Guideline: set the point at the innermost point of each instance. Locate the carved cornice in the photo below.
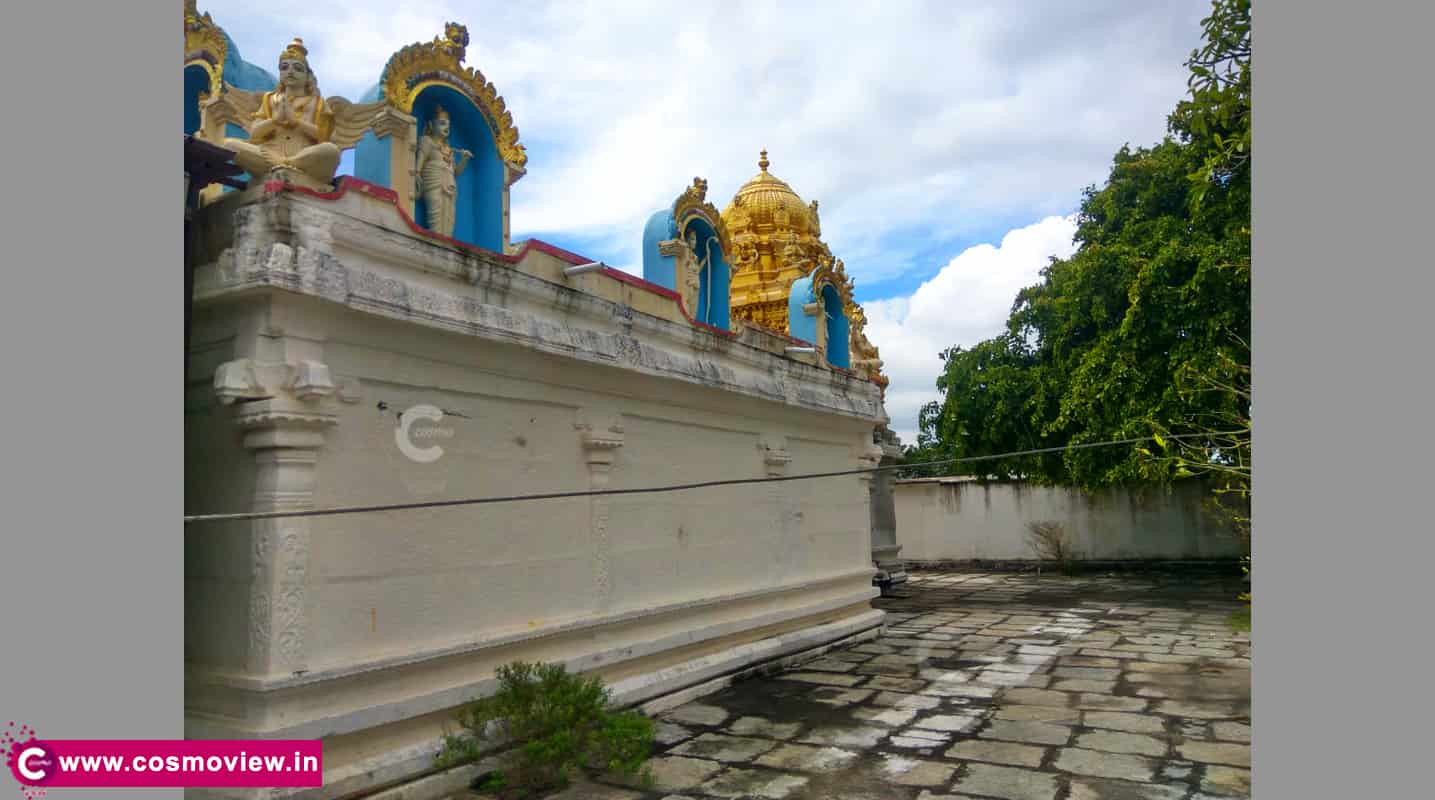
(440, 62)
(378, 270)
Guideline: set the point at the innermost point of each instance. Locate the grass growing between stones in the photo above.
(1240, 620)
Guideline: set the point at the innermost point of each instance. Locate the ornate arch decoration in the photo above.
(204, 45)
(440, 63)
(831, 272)
(692, 204)
(693, 214)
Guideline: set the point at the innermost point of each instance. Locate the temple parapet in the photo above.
(357, 248)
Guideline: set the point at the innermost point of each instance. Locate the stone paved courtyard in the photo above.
(988, 686)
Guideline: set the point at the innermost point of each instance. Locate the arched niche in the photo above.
(479, 217)
(196, 83)
(818, 315)
(714, 279)
(838, 328)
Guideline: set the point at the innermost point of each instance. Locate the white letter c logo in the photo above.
(423, 455)
(23, 763)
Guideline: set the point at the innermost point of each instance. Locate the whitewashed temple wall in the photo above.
(324, 319)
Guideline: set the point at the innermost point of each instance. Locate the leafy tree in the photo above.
(1143, 329)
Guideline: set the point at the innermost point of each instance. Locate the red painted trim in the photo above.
(663, 291)
(388, 195)
(641, 283)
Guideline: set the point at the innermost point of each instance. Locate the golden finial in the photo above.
(762, 161)
(296, 51)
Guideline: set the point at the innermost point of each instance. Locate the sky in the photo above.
(947, 142)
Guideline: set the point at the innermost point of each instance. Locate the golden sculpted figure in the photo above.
(294, 132)
(437, 174)
(865, 358)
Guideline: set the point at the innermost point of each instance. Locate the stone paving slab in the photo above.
(990, 687)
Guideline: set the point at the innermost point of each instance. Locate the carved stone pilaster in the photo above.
(885, 550)
(283, 415)
(686, 278)
(511, 174)
(784, 544)
(600, 450)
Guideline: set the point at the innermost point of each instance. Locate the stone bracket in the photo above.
(245, 379)
(775, 456)
(868, 457)
(601, 434)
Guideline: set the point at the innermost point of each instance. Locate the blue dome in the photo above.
(658, 268)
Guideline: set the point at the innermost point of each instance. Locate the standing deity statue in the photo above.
(437, 173)
(293, 132)
(692, 265)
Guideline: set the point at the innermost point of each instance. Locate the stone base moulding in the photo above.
(659, 681)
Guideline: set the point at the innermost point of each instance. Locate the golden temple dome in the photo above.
(767, 205)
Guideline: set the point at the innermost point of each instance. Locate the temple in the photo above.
(376, 347)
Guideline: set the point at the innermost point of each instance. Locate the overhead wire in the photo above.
(324, 512)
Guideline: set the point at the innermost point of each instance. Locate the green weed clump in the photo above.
(560, 726)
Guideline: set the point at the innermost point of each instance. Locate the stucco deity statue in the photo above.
(293, 131)
(691, 265)
(437, 174)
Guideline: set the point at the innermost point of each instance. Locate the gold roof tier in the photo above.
(776, 241)
(767, 205)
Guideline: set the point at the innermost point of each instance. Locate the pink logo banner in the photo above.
(158, 763)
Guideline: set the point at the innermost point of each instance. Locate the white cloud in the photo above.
(965, 303)
(900, 116)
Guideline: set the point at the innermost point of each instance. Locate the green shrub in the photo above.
(559, 724)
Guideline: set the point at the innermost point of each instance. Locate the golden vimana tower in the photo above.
(777, 240)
